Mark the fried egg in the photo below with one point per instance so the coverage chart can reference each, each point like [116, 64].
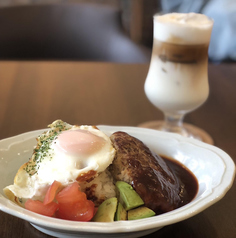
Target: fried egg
[64, 153]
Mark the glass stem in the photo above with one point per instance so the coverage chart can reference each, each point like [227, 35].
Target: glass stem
[174, 123]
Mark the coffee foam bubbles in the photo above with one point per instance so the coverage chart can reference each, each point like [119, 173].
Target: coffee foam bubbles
[183, 28]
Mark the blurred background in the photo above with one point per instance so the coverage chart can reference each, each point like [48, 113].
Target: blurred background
[136, 19]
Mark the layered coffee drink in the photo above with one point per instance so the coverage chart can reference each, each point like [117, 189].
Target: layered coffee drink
[177, 80]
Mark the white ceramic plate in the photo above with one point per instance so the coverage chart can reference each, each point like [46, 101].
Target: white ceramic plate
[213, 168]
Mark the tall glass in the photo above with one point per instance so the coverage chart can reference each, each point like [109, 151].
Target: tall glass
[177, 81]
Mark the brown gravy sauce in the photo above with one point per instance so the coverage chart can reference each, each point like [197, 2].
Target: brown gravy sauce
[189, 182]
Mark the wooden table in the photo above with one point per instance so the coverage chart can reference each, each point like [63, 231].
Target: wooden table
[33, 94]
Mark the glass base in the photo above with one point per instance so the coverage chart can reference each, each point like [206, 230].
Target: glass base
[191, 131]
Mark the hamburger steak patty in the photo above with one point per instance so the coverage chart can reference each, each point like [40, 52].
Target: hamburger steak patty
[147, 172]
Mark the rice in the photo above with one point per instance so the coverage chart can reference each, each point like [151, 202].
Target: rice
[100, 188]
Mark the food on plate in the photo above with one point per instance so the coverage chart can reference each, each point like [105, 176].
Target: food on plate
[121, 213]
[80, 173]
[140, 213]
[128, 206]
[127, 196]
[66, 154]
[148, 173]
[66, 203]
[106, 211]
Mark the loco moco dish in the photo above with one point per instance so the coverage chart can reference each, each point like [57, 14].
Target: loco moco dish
[75, 170]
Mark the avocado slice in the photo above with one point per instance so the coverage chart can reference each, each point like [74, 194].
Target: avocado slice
[128, 197]
[121, 214]
[139, 213]
[106, 211]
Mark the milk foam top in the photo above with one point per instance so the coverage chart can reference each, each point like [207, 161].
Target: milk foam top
[183, 28]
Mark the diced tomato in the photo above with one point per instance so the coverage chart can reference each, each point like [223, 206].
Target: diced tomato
[51, 193]
[78, 211]
[71, 194]
[71, 203]
[40, 208]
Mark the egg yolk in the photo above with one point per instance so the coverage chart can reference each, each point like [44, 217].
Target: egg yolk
[79, 142]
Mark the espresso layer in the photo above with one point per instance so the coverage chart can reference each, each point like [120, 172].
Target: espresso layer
[187, 54]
